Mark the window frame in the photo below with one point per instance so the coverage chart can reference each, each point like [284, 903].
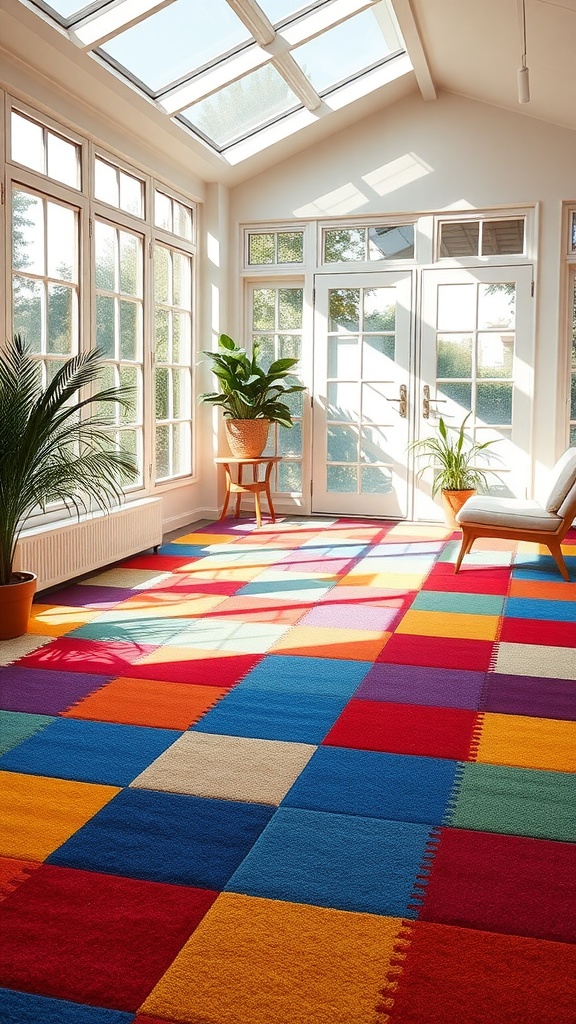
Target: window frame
[568, 305]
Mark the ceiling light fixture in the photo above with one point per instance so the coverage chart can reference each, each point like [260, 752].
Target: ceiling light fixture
[523, 73]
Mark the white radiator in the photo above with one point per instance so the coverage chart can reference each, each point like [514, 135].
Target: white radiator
[59, 552]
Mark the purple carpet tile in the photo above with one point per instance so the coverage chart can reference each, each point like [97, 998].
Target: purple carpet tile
[346, 617]
[87, 596]
[414, 684]
[529, 695]
[41, 692]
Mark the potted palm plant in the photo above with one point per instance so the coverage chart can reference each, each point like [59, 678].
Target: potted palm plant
[453, 458]
[53, 448]
[250, 396]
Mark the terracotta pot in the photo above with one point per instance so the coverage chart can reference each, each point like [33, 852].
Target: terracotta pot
[247, 438]
[452, 502]
[15, 604]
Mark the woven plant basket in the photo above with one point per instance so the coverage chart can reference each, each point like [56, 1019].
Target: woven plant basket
[247, 438]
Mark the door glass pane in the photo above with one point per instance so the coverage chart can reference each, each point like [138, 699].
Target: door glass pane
[105, 325]
[162, 451]
[374, 444]
[379, 309]
[375, 406]
[376, 352]
[342, 479]
[290, 309]
[105, 251]
[460, 395]
[376, 480]
[344, 309]
[342, 443]
[344, 401]
[129, 330]
[290, 440]
[182, 280]
[456, 307]
[162, 335]
[162, 393]
[454, 355]
[494, 403]
[497, 305]
[343, 358]
[290, 477]
[130, 264]
[495, 354]
[181, 337]
[162, 281]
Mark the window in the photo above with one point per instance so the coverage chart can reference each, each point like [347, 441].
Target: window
[45, 151]
[173, 373]
[366, 244]
[115, 187]
[266, 248]
[119, 326]
[109, 264]
[45, 277]
[482, 238]
[277, 320]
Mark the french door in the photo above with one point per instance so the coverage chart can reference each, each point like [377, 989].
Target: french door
[383, 377]
[363, 326]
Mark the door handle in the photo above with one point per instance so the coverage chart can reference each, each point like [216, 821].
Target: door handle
[402, 402]
[426, 402]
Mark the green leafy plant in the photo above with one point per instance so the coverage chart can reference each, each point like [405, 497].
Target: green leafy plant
[53, 443]
[247, 390]
[453, 456]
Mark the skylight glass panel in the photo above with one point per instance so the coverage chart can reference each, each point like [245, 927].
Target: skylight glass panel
[242, 107]
[279, 10]
[345, 51]
[176, 40]
[66, 8]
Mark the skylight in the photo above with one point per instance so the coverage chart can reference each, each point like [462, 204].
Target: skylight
[241, 74]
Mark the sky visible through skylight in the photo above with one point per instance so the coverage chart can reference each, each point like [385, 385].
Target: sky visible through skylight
[230, 73]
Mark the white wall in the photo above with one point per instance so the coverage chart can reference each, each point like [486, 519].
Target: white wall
[453, 153]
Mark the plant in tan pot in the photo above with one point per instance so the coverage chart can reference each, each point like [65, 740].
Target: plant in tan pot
[250, 396]
[453, 458]
[54, 447]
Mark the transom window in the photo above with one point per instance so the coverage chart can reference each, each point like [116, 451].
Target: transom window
[266, 248]
[482, 238]
[368, 243]
[44, 151]
[117, 188]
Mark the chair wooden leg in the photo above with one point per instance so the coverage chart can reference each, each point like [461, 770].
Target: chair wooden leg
[258, 509]
[467, 542]
[556, 552]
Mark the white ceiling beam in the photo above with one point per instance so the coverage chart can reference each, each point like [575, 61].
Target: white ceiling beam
[409, 29]
[255, 20]
[102, 25]
[296, 79]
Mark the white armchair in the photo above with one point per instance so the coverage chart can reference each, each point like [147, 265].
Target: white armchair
[546, 522]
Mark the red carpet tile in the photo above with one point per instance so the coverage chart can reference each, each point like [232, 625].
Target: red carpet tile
[461, 976]
[13, 873]
[404, 729]
[437, 652]
[473, 580]
[217, 669]
[93, 938]
[160, 563]
[501, 883]
[112, 658]
[539, 631]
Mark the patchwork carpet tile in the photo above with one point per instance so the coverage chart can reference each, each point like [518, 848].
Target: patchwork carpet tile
[454, 975]
[57, 807]
[438, 652]
[500, 883]
[37, 691]
[188, 665]
[99, 939]
[525, 742]
[269, 715]
[16, 727]
[525, 659]
[64, 654]
[334, 860]
[405, 729]
[57, 620]
[529, 695]
[23, 1008]
[13, 650]
[314, 676]
[330, 642]
[227, 768]
[449, 624]
[141, 834]
[148, 702]
[415, 684]
[252, 961]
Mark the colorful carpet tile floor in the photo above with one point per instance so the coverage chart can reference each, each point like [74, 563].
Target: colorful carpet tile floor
[299, 775]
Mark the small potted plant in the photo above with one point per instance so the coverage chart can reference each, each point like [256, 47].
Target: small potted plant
[452, 456]
[53, 448]
[250, 396]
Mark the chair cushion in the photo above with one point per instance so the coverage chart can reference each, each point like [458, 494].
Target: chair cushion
[507, 513]
[563, 478]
